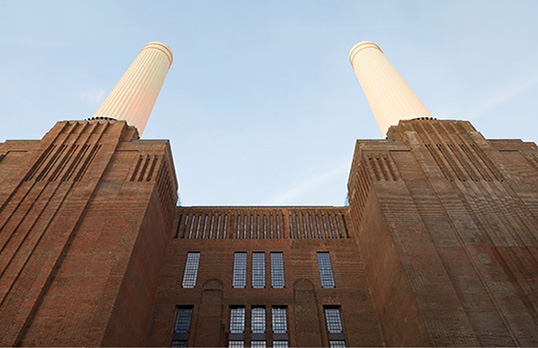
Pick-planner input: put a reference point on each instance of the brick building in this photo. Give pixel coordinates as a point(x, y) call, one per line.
point(437, 246)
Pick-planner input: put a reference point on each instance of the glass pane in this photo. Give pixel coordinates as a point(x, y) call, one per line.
point(240, 270)
point(191, 270)
point(325, 270)
point(183, 320)
point(237, 320)
point(280, 344)
point(258, 320)
point(334, 324)
point(236, 344)
point(176, 343)
point(277, 270)
point(279, 321)
point(258, 270)
point(337, 344)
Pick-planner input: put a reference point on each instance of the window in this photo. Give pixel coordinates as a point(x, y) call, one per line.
point(337, 344)
point(279, 321)
point(191, 270)
point(237, 320)
point(325, 270)
point(237, 327)
point(257, 327)
point(258, 270)
point(279, 325)
point(240, 270)
point(258, 320)
point(334, 327)
point(182, 326)
point(277, 270)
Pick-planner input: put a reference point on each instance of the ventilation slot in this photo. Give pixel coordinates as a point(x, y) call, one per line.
point(463, 162)
point(304, 224)
point(60, 162)
point(86, 162)
point(383, 167)
point(165, 189)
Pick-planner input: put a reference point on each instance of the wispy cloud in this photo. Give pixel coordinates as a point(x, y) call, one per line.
point(308, 185)
point(501, 96)
point(93, 96)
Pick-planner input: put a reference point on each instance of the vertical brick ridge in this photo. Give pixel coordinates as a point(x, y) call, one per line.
point(18, 235)
point(360, 182)
point(15, 235)
point(46, 280)
point(53, 206)
point(450, 247)
point(416, 245)
point(502, 222)
point(11, 198)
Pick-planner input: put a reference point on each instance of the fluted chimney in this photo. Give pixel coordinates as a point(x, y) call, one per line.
point(132, 99)
point(389, 96)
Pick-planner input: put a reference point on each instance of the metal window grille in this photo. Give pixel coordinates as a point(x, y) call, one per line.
point(240, 270)
point(191, 270)
point(279, 321)
point(192, 225)
point(265, 227)
point(182, 325)
point(345, 227)
point(238, 226)
point(280, 344)
point(245, 227)
point(204, 229)
point(277, 227)
point(258, 270)
point(337, 344)
point(183, 320)
point(217, 235)
point(257, 320)
point(311, 227)
point(298, 225)
point(305, 228)
point(332, 226)
point(334, 323)
point(257, 344)
point(251, 226)
point(338, 226)
point(277, 270)
point(317, 225)
point(211, 227)
point(325, 226)
point(325, 270)
point(258, 226)
point(185, 223)
point(291, 227)
point(271, 225)
point(237, 320)
point(236, 344)
point(225, 225)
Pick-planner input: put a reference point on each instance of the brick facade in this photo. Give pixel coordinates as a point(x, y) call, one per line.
point(436, 248)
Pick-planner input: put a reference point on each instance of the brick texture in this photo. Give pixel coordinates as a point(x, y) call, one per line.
point(438, 246)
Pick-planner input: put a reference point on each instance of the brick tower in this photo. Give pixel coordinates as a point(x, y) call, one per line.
point(436, 248)
point(84, 219)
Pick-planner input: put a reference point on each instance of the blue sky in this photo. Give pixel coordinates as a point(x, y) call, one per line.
point(261, 105)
